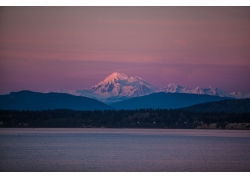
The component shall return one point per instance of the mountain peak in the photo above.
(172, 85)
(119, 84)
(115, 76)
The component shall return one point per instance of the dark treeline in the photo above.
(143, 118)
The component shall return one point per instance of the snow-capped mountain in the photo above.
(240, 95)
(118, 86)
(115, 87)
(173, 88)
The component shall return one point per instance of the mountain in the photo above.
(173, 88)
(239, 95)
(165, 101)
(27, 100)
(229, 106)
(117, 87)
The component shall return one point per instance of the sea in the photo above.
(123, 150)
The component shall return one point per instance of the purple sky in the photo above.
(50, 48)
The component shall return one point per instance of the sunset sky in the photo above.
(52, 48)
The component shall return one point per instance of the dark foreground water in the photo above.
(124, 150)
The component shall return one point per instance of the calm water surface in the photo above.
(124, 150)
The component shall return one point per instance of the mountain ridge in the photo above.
(28, 100)
(163, 100)
(119, 86)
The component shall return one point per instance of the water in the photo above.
(156, 150)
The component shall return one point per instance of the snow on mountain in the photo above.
(240, 95)
(118, 84)
(216, 92)
(173, 88)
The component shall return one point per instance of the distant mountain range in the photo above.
(165, 101)
(120, 92)
(117, 87)
(27, 100)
